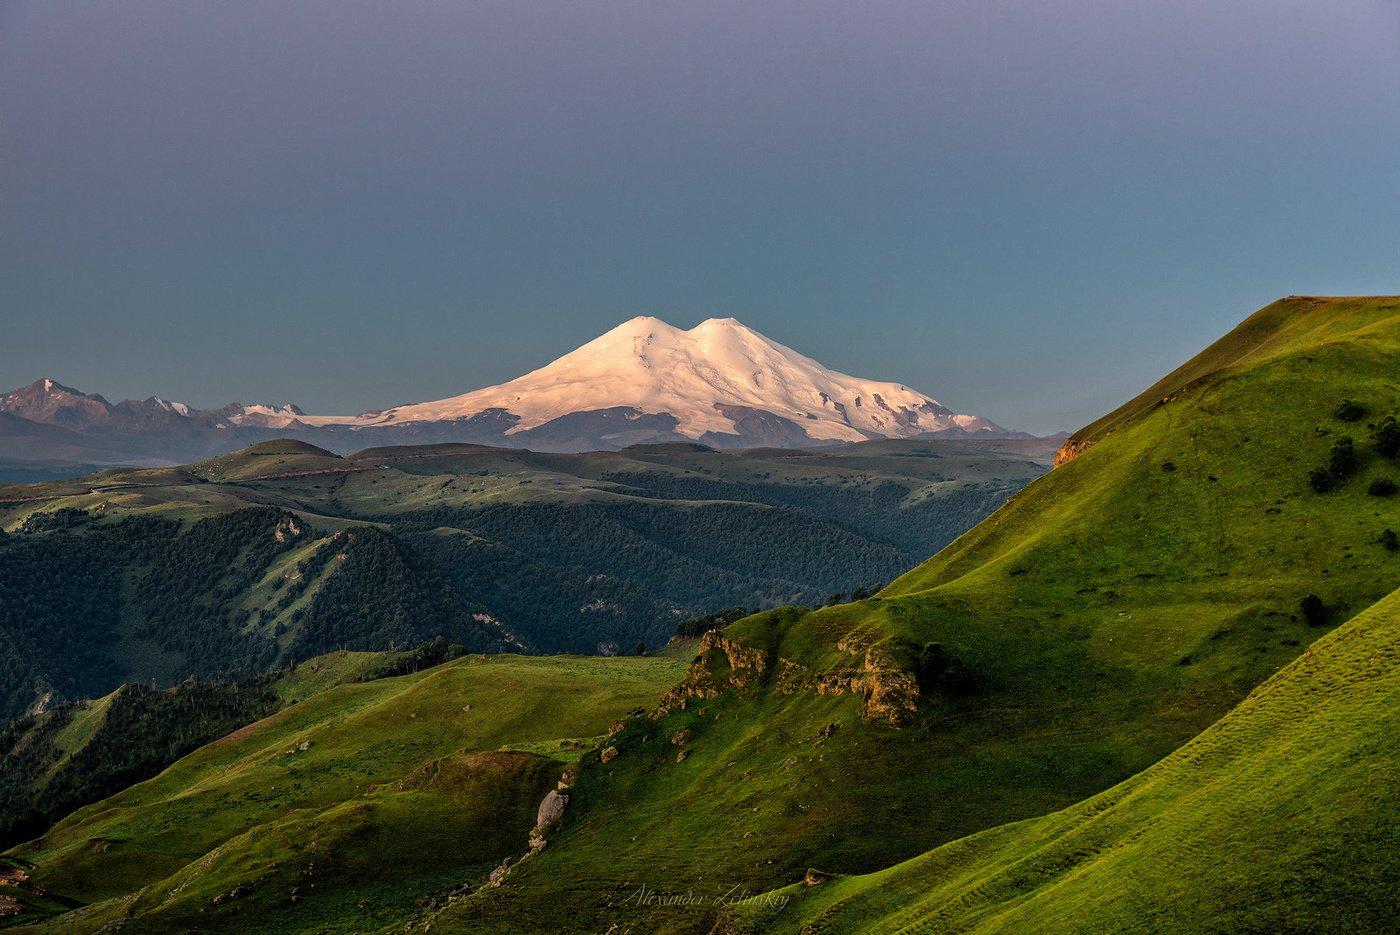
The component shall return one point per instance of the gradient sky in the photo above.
(1029, 210)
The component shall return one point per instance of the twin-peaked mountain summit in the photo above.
(720, 383)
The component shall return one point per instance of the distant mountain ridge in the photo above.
(720, 383)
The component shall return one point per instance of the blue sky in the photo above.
(1029, 210)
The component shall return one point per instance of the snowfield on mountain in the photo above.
(709, 379)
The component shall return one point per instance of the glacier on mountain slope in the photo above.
(705, 378)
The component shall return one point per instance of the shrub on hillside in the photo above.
(1313, 610)
(1386, 437)
(1390, 540)
(1349, 410)
(1381, 487)
(1341, 464)
(432, 653)
(936, 669)
(63, 518)
(1342, 459)
(1322, 480)
(696, 626)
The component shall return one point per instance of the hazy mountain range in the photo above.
(721, 383)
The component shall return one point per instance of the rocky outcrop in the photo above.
(287, 528)
(44, 701)
(721, 665)
(551, 809)
(1071, 449)
(891, 693)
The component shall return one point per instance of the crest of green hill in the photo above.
(355, 807)
(1280, 817)
(1106, 615)
(284, 551)
(268, 459)
(1286, 326)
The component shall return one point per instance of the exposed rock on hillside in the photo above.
(890, 692)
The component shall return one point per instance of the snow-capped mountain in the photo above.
(721, 383)
(264, 415)
(47, 420)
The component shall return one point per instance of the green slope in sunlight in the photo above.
(1107, 614)
(360, 804)
(1283, 816)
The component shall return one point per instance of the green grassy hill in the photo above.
(1106, 615)
(71, 755)
(1284, 816)
(1287, 326)
(360, 805)
(284, 551)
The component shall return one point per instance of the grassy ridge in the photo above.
(384, 792)
(1284, 326)
(1280, 817)
(1110, 612)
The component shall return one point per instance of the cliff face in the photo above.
(890, 693)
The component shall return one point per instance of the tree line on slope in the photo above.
(140, 732)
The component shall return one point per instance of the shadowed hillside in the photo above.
(348, 809)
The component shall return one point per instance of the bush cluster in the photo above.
(1341, 464)
(1343, 459)
(696, 626)
(1386, 438)
(1349, 410)
(1313, 610)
